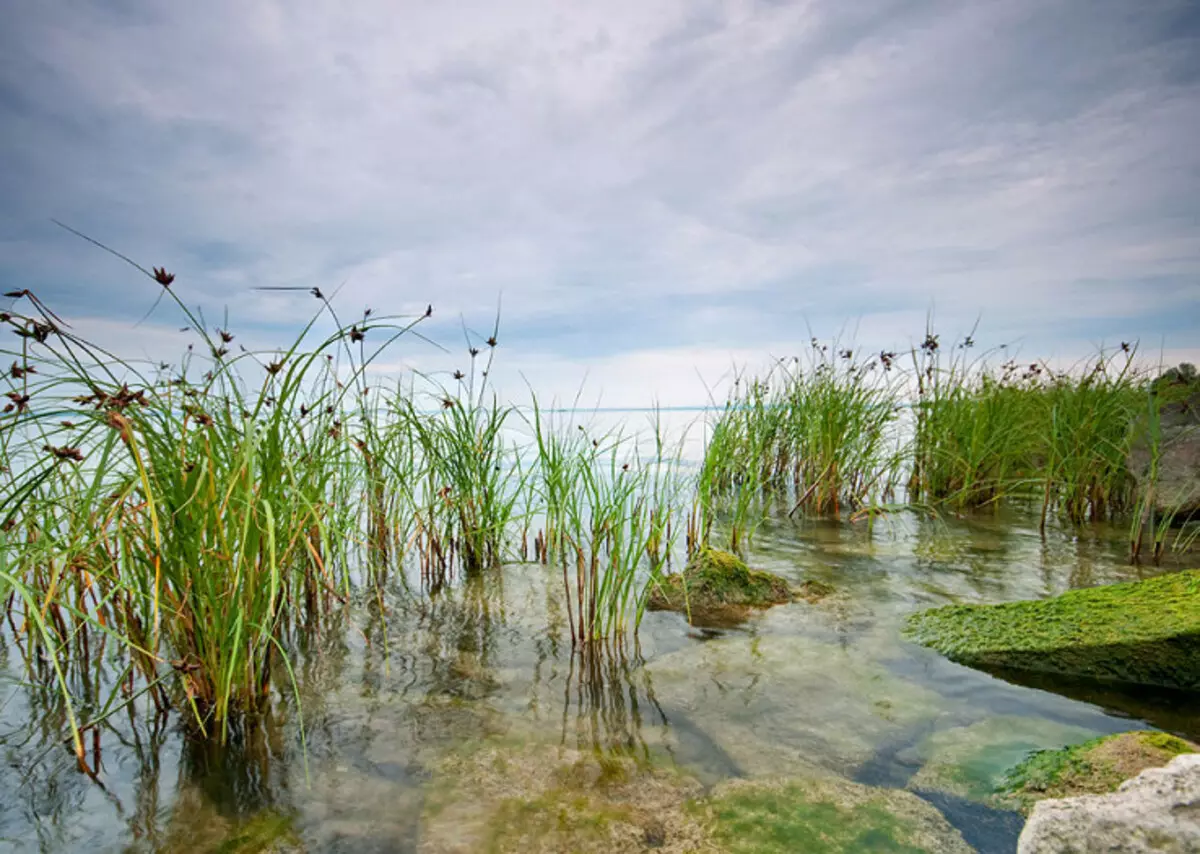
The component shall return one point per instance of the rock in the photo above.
(1157, 811)
(1176, 488)
(972, 761)
(1095, 767)
(529, 798)
(716, 588)
(779, 705)
(1142, 632)
(825, 816)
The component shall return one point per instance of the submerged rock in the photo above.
(1157, 811)
(1143, 632)
(781, 705)
(539, 799)
(716, 587)
(1176, 486)
(972, 761)
(1095, 767)
(825, 816)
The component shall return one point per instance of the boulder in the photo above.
(1157, 811)
(716, 588)
(1095, 767)
(1141, 632)
(1175, 439)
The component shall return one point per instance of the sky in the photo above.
(649, 192)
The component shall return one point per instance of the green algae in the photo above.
(971, 761)
(716, 584)
(501, 797)
(826, 816)
(1095, 767)
(1144, 632)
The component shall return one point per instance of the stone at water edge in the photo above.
(1141, 632)
(717, 587)
(1158, 811)
(1177, 487)
(1098, 766)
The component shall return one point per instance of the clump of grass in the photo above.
(609, 522)
(980, 436)
(821, 427)
(178, 521)
(974, 431)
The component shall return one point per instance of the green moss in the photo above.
(1093, 767)
(266, 831)
(1145, 632)
(824, 817)
(972, 761)
(715, 581)
(559, 820)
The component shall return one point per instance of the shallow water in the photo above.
(798, 690)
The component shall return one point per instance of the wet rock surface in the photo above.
(1095, 767)
(825, 815)
(776, 704)
(1157, 811)
(717, 588)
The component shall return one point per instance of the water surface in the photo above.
(396, 681)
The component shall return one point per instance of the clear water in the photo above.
(799, 689)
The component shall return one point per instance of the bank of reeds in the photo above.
(820, 429)
(835, 433)
(1024, 431)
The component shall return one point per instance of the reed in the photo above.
(181, 520)
(822, 427)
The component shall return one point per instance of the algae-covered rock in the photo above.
(1094, 767)
(532, 798)
(1144, 632)
(972, 761)
(825, 816)
(716, 586)
(1154, 813)
(782, 705)
(813, 591)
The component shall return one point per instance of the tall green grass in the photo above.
(1061, 438)
(820, 428)
(180, 521)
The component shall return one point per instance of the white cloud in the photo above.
(643, 182)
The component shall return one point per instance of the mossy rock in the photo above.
(971, 761)
(813, 591)
(717, 587)
(1096, 767)
(824, 816)
(1142, 632)
(499, 797)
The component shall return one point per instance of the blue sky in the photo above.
(657, 189)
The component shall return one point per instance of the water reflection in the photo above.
(397, 679)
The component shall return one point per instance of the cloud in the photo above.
(641, 183)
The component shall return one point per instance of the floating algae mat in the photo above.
(462, 721)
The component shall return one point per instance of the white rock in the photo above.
(1157, 811)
